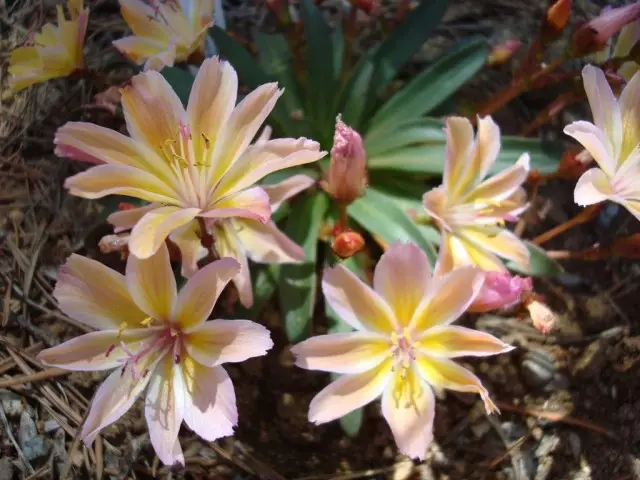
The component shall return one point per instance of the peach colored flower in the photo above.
(403, 346)
(197, 162)
(154, 336)
(470, 212)
(164, 31)
(238, 238)
(56, 51)
(612, 140)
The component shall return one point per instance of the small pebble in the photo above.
(538, 368)
(548, 444)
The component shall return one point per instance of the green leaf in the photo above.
(545, 155)
(388, 221)
(405, 40)
(337, 40)
(352, 422)
(433, 85)
(180, 80)
(251, 73)
(354, 97)
(319, 69)
(275, 59)
(297, 284)
(412, 132)
(264, 284)
(539, 263)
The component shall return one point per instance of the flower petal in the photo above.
(352, 352)
(445, 373)
(279, 192)
(258, 161)
(503, 185)
(228, 244)
(95, 144)
(138, 49)
(487, 147)
(210, 401)
(448, 297)
(221, 341)
(115, 396)
(94, 351)
(211, 102)
(595, 142)
(152, 284)
(604, 106)
(149, 234)
(453, 341)
(265, 243)
(402, 278)
(592, 187)
(348, 393)
(164, 410)
(252, 203)
(103, 180)
(141, 18)
(188, 241)
(357, 303)
(152, 110)
(459, 149)
(630, 111)
(500, 242)
(468, 253)
(412, 425)
(198, 297)
(95, 295)
(243, 124)
(126, 219)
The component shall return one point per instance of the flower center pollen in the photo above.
(407, 388)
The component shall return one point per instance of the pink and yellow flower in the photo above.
(191, 163)
(158, 338)
(164, 31)
(404, 345)
(612, 140)
(470, 212)
(238, 238)
(56, 51)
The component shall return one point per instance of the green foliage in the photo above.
(539, 263)
(297, 282)
(181, 80)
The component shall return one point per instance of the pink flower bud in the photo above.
(503, 52)
(500, 290)
(347, 176)
(593, 35)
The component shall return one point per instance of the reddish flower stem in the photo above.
(584, 216)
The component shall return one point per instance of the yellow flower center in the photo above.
(407, 388)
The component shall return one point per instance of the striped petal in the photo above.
(123, 220)
(191, 250)
(467, 253)
(348, 393)
(252, 203)
(595, 142)
(265, 243)
(402, 278)
(95, 295)
(210, 401)
(453, 341)
(149, 234)
(630, 111)
(445, 373)
(352, 352)
(411, 424)
(592, 187)
(198, 297)
(221, 341)
(286, 189)
(141, 18)
(103, 180)
(503, 185)
(164, 410)
(459, 148)
(138, 49)
(152, 110)
(501, 242)
(229, 245)
(357, 303)
(152, 284)
(448, 298)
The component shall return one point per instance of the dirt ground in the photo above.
(569, 400)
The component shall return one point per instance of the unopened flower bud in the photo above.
(347, 176)
(558, 15)
(542, 316)
(500, 290)
(592, 36)
(503, 52)
(347, 244)
(113, 243)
